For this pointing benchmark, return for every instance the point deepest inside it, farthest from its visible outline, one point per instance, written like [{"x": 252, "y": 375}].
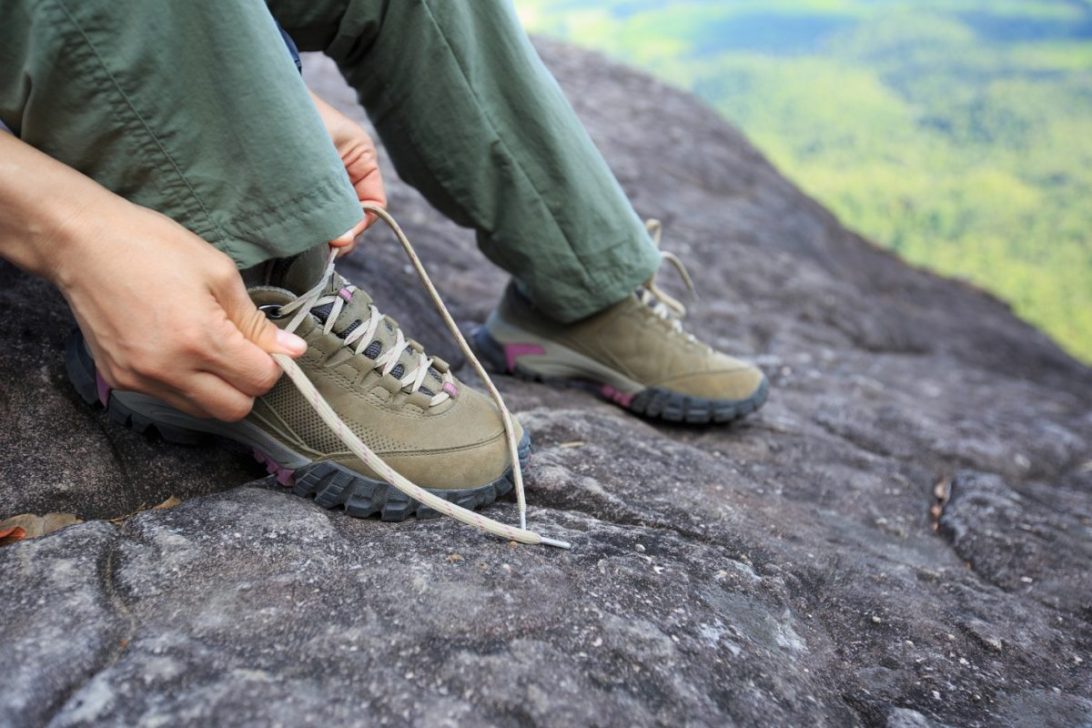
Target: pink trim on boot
[
  {"x": 616, "y": 396},
  {"x": 103, "y": 388},
  {"x": 285, "y": 476},
  {"x": 515, "y": 351}
]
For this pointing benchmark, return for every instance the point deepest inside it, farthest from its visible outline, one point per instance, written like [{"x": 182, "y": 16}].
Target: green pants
[{"x": 196, "y": 109}]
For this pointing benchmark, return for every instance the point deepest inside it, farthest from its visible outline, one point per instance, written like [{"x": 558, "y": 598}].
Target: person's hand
[
  {"x": 357, "y": 151},
  {"x": 165, "y": 313}
]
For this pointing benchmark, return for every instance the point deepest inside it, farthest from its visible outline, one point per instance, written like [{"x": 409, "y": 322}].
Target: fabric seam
[
  {"x": 496, "y": 133},
  {"x": 141, "y": 123}
]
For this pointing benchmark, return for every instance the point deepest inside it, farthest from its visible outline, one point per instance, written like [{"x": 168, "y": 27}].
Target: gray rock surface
[{"x": 785, "y": 571}]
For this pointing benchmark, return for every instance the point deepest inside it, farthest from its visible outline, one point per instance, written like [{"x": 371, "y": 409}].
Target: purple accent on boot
[
  {"x": 515, "y": 351},
  {"x": 103, "y": 388},
  {"x": 451, "y": 389},
  {"x": 285, "y": 476},
  {"x": 616, "y": 396},
  {"x": 346, "y": 294}
]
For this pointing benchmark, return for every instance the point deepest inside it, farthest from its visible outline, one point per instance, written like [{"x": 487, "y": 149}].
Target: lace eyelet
[{"x": 272, "y": 311}]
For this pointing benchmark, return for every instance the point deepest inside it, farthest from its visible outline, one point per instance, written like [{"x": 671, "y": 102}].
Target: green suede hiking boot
[
  {"x": 405, "y": 405},
  {"x": 635, "y": 353}
]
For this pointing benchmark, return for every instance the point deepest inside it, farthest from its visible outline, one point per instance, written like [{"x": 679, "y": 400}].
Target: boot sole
[
  {"x": 330, "y": 484},
  {"x": 652, "y": 403}
]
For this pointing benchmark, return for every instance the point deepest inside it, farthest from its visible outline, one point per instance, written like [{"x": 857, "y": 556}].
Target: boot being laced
[{"x": 411, "y": 380}]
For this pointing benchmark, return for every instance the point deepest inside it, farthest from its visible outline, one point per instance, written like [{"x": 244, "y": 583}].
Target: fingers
[
  {"x": 253, "y": 324},
  {"x": 361, "y": 159},
  {"x": 242, "y": 339},
  {"x": 204, "y": 347},
  {"x": 370, "y": 188},
  {"x": 217, "y": 397},
  {"x": 362, "y": 165},
  {"x": 207, "y": 395},
  {"x": 244, "y": 366},
  {"x": 196, "y": 393},
  {"x": 376, "y": 198},
  {"x": 346, "y": 242}
]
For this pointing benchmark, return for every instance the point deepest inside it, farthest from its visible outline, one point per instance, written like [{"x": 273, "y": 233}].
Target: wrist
[
  {"x": 75, "y": 231},
  {"x": 48, "y": 212}
]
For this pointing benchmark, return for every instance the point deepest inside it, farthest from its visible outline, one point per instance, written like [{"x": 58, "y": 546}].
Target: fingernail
[
  {"x": 291, "y": 343},
  {"x": 345, "y": 238}
]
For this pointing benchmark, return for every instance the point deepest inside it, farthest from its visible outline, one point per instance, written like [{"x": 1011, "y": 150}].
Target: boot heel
[{"x": 489, "y": 351}]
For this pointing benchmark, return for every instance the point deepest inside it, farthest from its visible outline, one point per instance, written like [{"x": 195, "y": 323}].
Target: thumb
[
  {"x": 346, "y": 242},
  {"x": 257, "y": 328}
]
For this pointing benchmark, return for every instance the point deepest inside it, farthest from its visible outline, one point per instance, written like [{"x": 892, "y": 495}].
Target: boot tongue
[
  {"x": 297, "y": 273},
  {"x": 354, "y": 313},
  {"x": 355, "y": 307},
  {"x": 300, "y": 272}
]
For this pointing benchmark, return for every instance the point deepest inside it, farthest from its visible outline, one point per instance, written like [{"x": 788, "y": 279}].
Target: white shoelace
[
  {"x": 663, "y": 304},
  {"x": 411, "y": 379}
]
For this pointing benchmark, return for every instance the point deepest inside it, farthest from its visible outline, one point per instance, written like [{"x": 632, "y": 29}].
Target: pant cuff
[
  {"x": 289, "y": 227},
  {"x": 614, "y": 274}
]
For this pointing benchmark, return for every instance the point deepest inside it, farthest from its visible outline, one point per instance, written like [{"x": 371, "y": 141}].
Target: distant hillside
[{"x": 956, "y": 133}]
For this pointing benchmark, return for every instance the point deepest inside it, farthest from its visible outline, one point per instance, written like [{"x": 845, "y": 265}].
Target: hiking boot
[
  {"x": 635, "y": 354},
  {"x": 402, "y": 403}
]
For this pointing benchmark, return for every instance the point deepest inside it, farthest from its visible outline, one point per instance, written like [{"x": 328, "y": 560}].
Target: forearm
[{"x": 41, "y": 201}]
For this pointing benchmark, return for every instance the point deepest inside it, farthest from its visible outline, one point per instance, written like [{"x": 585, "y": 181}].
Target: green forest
[{"x": 957, "y": 133}]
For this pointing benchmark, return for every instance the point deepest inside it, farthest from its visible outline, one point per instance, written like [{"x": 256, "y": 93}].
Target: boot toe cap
[{"x": 735, "y": 383}]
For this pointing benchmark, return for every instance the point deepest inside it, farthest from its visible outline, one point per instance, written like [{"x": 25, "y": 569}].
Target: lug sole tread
[{"x": 330, "y": 484}]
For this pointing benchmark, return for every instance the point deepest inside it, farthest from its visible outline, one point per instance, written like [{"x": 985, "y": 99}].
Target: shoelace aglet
[{"x": 555, "y": 542}]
